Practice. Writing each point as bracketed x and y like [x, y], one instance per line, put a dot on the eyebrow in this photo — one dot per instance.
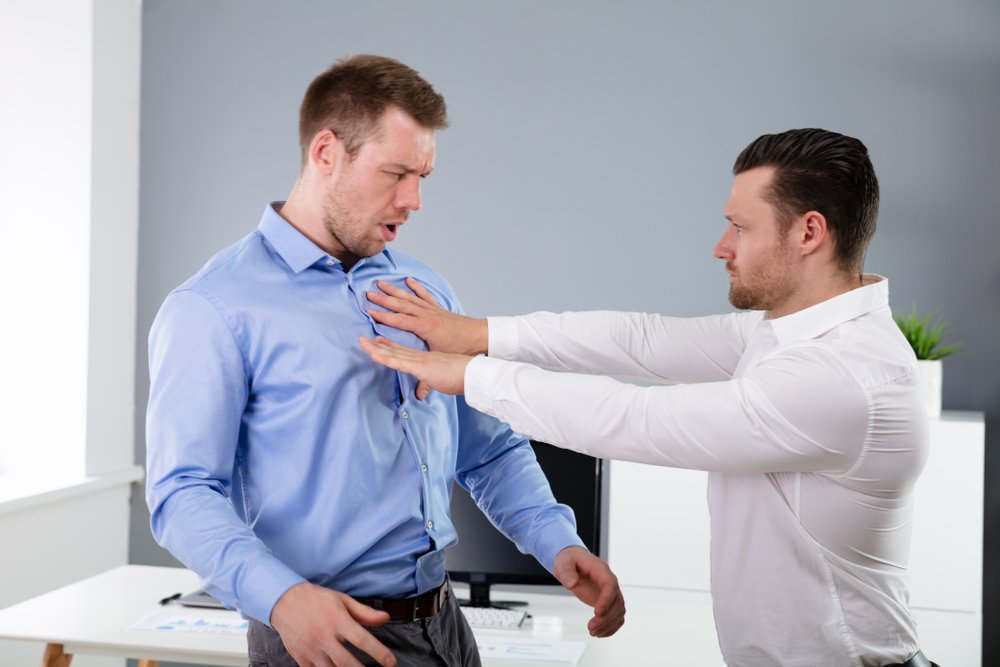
[408, 170]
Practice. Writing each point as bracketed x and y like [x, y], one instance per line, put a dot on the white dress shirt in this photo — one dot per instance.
[811, 426]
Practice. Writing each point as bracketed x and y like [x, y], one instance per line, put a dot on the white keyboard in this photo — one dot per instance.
[493, 618]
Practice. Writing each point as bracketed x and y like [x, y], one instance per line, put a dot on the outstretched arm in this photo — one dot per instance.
[765, 423]
[639, 346]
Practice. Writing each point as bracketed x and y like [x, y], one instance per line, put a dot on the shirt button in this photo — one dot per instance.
[430, 525]
[423, 467]
[405, 415]
[330, 262]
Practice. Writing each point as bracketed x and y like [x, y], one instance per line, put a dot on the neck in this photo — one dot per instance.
[815, 293]
[304, 212]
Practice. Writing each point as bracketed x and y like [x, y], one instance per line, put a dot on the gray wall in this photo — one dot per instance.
[590, 150]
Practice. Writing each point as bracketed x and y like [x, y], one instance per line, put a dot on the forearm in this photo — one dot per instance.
[764, 424]
[501, 472]
[624, 345]
[199, 527]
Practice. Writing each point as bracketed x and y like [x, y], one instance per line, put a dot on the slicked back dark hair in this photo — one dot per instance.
[351, 96]
[823, 171]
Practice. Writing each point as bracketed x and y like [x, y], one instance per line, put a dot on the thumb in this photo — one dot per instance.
[422, 390]
[566, 573]
[364, 614]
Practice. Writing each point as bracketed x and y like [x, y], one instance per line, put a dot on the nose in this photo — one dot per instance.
[408, 193]
[724, 248]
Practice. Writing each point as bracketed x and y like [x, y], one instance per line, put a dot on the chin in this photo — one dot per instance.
[742, 300]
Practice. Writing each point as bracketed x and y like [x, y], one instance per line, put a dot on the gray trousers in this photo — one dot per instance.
[443, 640]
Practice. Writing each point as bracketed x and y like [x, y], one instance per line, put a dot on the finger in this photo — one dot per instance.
[604, 626]
[360, 637]
[389, 354]
[422, 390]
[393, 320]
[609, 623]
[365, 641]
[397, 304]
[379, 353]
[399, 293]
[606, 597]
[365, 615]
[421, 291]
[383, 345]
[341, 657]
[606, 629]
[567, 573]
[390, 344]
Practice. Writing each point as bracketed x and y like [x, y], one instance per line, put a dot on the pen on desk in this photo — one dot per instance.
[170, 598]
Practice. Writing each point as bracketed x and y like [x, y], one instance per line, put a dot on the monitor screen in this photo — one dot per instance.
[484, 556]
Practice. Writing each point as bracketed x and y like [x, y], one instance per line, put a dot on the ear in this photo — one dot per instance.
[326, 153]
[812, 232]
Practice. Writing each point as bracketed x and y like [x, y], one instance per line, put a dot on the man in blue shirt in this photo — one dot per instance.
[304, 483]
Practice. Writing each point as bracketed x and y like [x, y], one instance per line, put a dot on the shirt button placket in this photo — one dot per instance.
[423, 466]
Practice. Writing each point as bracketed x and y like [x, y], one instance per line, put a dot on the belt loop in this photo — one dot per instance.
[443, 593]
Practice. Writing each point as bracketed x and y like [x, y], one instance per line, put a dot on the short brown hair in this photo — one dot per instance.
[819, 170]
[351, 96]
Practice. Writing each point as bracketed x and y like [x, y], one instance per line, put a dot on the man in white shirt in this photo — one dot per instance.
[805, 409]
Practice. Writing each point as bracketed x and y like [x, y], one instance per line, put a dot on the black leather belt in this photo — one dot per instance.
[411, 609]
[919, 660]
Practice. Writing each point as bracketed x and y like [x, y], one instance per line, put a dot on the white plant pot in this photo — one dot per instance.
[929, 378]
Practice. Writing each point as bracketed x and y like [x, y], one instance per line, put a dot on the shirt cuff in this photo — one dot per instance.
[554, 539]
[503, 337]
[480, 375]
[271, 582]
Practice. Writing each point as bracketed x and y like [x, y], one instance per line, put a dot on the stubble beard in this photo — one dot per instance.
[347, 231]
[768, 287]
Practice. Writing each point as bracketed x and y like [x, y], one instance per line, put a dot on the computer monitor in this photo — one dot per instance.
[484, 556]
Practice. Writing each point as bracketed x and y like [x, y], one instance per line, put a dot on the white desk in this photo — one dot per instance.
[93, 617]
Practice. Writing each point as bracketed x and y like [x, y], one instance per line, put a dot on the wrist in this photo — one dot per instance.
[479, 340]
[285, 604]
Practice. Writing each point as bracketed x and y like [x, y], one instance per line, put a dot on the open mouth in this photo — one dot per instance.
[388, 232]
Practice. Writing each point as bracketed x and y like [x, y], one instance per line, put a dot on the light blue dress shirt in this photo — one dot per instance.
[278, 452]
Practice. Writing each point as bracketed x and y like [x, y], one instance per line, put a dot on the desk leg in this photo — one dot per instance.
[54, 656]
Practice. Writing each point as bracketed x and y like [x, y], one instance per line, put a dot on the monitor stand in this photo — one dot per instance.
[479, 596]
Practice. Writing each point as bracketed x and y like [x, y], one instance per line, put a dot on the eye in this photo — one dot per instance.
[396, 175]
[739, 228]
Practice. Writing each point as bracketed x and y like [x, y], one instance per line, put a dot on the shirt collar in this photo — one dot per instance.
[298, 251]
[816, 320]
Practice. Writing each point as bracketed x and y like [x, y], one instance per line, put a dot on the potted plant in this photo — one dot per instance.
[925, 334]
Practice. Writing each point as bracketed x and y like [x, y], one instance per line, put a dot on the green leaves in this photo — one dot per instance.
[925, 334]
